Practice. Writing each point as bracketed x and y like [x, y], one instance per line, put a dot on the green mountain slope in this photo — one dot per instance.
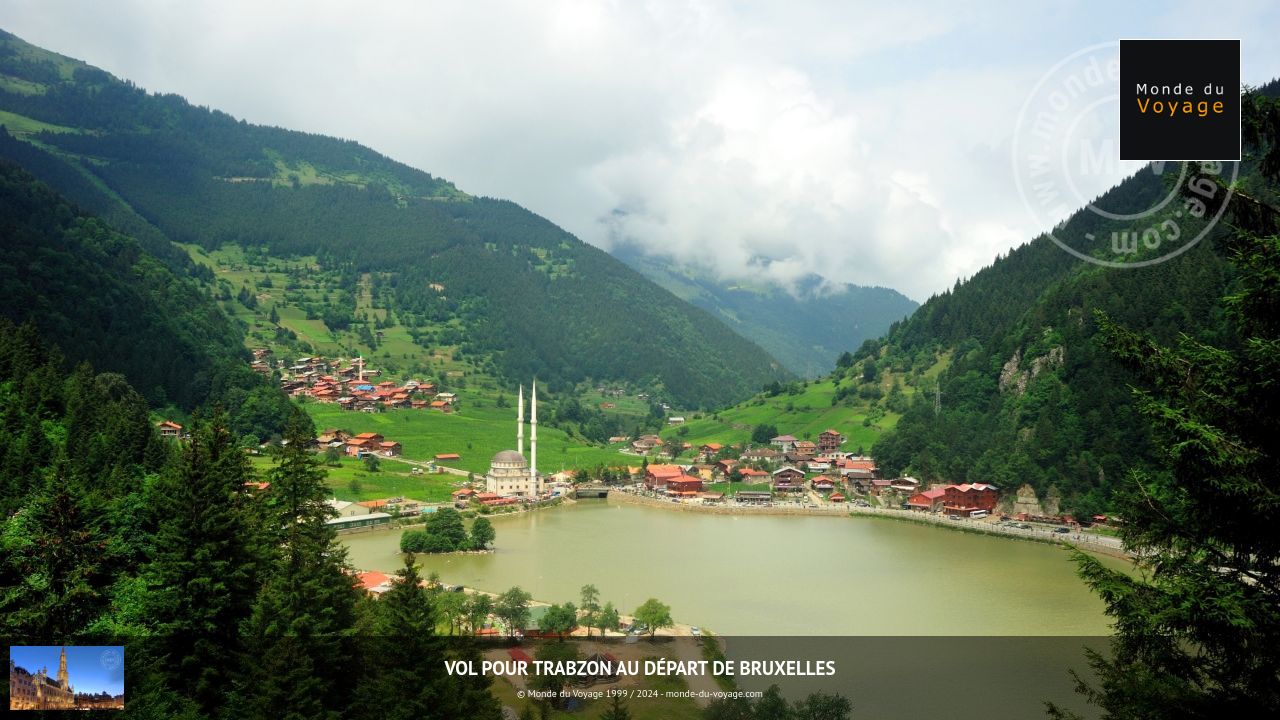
[103, 298]
[1002, 379]
[526, 298]
[805, 328]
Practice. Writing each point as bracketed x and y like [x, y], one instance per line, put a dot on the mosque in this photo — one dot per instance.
[509, 473]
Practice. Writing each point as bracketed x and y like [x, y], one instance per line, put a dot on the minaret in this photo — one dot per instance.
[520, 423]
[62, 670]
[533, 441]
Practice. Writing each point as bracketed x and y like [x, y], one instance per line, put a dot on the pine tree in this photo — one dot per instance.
[1198, 632]
[304, 615]
[58, 564]
[403, 658]
[205, 570]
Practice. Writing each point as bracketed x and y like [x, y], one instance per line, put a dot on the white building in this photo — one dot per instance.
[346, 509]
[509, 473]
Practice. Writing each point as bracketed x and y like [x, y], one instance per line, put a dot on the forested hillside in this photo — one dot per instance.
[104, 298]
[805, 326]
[1030, 395]
[113, 534]
[1003, 378]
[530, 298]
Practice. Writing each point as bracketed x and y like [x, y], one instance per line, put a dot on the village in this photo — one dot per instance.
[795, 471]
[350, 385]
[787, 473]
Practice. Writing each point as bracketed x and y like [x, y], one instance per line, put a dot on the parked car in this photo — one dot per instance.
[1062, 530]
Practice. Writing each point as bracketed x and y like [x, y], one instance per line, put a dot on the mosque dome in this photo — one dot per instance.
[509, 457]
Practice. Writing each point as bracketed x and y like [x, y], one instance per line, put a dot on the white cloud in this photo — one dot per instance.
[864, 142]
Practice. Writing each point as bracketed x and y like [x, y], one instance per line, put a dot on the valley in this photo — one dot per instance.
[299, 422]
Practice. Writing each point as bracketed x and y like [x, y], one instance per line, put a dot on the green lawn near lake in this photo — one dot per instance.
[392, 479]
[474, 433]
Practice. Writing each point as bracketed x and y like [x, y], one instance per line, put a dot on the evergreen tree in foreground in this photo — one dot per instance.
[58, 564]
[404, 659]
[402, 655]
[301, 628]
[205, 571]
[1198, 631]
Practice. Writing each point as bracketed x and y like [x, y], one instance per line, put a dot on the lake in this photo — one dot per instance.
[775, 575]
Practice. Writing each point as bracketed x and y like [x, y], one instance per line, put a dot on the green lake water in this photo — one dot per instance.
[775, 575]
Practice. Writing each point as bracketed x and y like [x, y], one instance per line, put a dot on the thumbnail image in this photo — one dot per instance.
[89, 677]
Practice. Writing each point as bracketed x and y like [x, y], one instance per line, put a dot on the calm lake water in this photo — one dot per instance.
[775, 575]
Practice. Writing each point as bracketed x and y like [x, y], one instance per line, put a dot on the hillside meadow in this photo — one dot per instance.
[474, 433]
[804, 415]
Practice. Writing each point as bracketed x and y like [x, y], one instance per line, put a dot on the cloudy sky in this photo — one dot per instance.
[865, 142]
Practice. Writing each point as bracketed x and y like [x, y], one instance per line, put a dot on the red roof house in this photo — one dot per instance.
[822, 482]
[656, 476]
[684, 485]
[927, 501]
[169, 429]
[970, 497]
[829, 441]
[370, 580]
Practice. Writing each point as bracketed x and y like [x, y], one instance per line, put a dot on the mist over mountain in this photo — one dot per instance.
[805, 326]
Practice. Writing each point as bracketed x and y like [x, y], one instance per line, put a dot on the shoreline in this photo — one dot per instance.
[677, 629]
[1099, 545]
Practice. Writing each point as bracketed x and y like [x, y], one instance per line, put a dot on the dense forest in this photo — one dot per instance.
[100, 295]
[233, 601]
[1197, 620]
[532, 298]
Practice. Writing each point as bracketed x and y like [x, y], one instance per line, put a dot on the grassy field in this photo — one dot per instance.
[350, 481]
[396, 352]
[474, 433]
[809, 411]
[23, 125]
[626, 405]
[803, 415]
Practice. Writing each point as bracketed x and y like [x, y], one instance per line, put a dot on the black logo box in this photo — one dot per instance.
[1187, 68]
